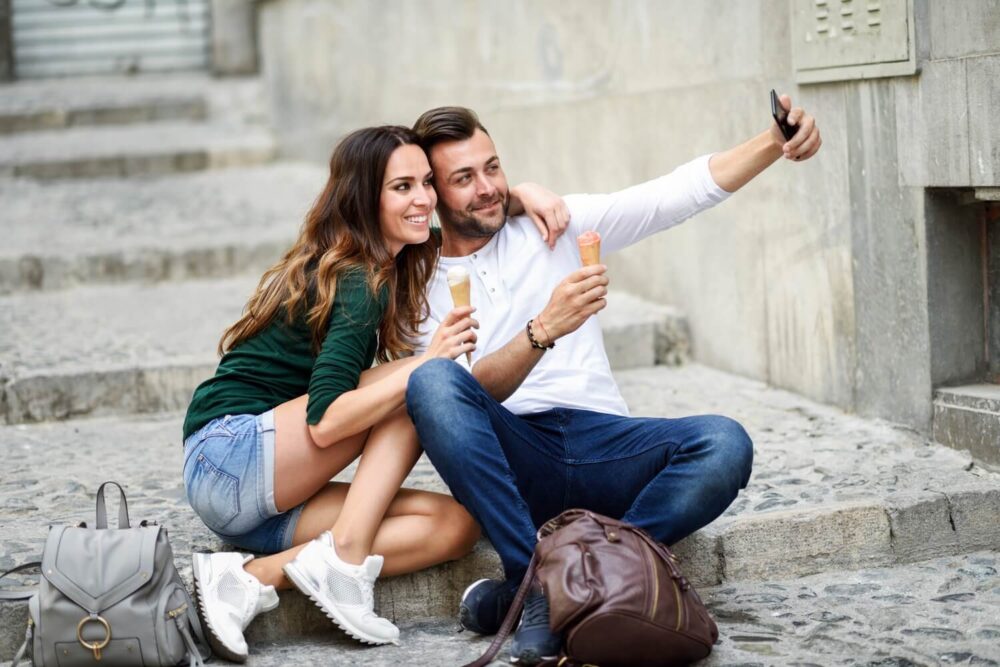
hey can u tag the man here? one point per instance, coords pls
(539, 426)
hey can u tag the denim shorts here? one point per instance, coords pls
(229, 479)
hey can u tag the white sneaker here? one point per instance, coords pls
(345, 592)
(229, 598)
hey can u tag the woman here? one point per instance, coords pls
(294, 401)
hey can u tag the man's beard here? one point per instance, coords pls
(465, 223)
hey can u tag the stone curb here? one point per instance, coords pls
(48, 272)
(152, 163)
(73, 115)
(904, 528)
(53, 395)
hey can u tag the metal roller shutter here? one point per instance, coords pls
(76, 37)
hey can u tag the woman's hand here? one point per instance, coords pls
(545, 208)
(455, 336)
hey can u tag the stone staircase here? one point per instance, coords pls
(138, 216)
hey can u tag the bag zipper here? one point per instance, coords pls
(680, 603)
(651, 561)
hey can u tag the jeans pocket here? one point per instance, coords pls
(214, 494)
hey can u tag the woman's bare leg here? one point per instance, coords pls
(420, 529)
(389, 455)
(372, 514)
(301, 468)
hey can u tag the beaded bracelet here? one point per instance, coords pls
(534, 342)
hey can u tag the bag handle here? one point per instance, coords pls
(24, 593)
(509, 620)
(102, 513)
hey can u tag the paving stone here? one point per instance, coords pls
(105, 350)
(835, 509)
(217, 223)
(133, 150)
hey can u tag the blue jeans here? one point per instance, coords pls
(229, 480)
(514, 472)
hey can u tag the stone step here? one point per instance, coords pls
(126, 349)
(50, 104)
(91, 231)
(829, 492)
(133, 150)
(968, 418)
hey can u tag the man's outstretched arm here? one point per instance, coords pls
(734, 168)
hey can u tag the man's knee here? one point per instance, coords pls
(731, 446)
(433, 382)
(436, 400)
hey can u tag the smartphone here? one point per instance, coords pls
(781, 117)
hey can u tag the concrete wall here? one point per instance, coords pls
(813, 278)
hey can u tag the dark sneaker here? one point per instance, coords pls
(534, 641)
(484, 605)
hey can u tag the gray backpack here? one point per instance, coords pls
(110, 597)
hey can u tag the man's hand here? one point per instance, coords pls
(577, 297)
(806, 141)
(545, 208)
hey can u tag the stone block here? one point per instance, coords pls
(984, 100)
(969, 418)
(673, 339)
(46, 397)
(892, 378)
(961, 29)
(975, 512)
(932, 126)
(798, 543)
(631, 329)
(920, 524)
(699, 557)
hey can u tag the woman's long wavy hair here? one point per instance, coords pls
(341, 232)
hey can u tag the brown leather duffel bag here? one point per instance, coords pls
(615, 594)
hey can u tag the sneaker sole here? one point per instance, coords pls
(214, 640)
(465, 616)
(302, 583)
(531, 658)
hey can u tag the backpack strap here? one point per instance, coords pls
(509, 620)
(23, 593)
(24, 646)
(102, 513)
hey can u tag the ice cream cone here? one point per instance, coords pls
(461, 288)
(590, 248)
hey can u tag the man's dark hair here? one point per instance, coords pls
(446, 124)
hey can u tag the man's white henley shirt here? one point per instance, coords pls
(514, 274)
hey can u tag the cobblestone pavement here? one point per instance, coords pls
(807, 456)
(940, 612)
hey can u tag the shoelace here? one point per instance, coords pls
(536, 611)
(368, 594)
